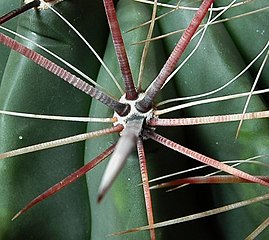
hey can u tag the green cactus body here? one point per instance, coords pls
(4, 8)
(216, 61)
(36, 91)
(74, 212)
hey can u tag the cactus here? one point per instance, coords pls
(74, 213)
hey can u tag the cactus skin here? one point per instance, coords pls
(124, 207)
(4, 8)
(223, 53)
(29, 88)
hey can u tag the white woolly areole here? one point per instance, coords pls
(44, 5)
(134, 113)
